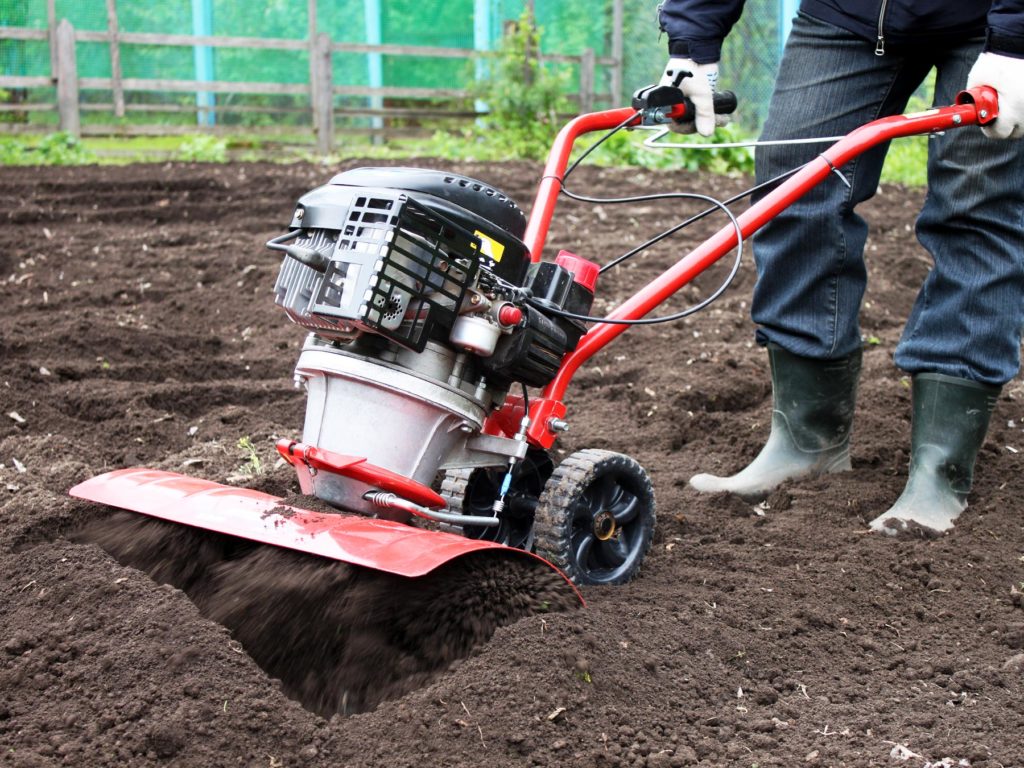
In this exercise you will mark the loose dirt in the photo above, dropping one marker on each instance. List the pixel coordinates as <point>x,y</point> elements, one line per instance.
<point>139,329</point>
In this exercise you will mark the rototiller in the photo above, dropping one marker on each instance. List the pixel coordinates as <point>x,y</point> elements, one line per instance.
<point>430,312</point>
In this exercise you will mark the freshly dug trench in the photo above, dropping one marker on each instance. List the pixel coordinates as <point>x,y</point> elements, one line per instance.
<point>341,638</point>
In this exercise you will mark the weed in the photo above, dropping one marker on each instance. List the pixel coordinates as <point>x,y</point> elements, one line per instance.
<point>202,148</point>
<point>253,466</point>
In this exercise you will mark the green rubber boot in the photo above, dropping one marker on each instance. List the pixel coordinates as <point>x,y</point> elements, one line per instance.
<point>951,418</point>
<point>812,414</point>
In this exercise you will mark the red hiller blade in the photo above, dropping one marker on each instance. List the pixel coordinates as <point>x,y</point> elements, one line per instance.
<point>384,545</point>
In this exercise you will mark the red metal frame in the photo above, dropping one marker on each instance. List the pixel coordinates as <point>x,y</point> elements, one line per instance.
<point>305,458</point>
<point>977,106</point>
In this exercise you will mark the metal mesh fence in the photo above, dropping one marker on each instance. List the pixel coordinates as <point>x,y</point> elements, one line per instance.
<point>568,28</point>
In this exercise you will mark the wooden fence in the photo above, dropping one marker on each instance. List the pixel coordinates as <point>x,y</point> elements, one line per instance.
<point>316,97</point>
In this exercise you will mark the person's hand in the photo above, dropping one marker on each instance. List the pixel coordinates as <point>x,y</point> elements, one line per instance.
<point>1006,75</point>
<point>696,81</point>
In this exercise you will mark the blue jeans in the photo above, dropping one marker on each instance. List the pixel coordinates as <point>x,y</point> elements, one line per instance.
<point>968,316</point>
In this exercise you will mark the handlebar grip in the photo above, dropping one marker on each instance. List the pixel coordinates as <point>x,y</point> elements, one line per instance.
<point>724,103</point>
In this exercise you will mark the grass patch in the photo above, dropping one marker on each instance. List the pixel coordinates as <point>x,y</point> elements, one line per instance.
<point>907,162</point>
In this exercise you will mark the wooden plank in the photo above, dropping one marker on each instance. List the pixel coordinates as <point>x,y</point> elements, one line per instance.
<point>276,135</point>
<point>401,93</point>
<point>186,130</point>
<point>285,44</point>
<point>67,80</point>
<point>188,41</point>
<point>42,107</point>
<point>115,58</point>
<point>192,109</point>
<point>23,33</point>
<point>278,43</point>
<point>24,128</point>
<point>18,81</point>
<point>411,113</point>
<point>189,86</point>
<point>390,49</point>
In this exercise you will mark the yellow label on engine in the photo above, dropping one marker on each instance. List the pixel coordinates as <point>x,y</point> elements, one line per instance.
<point>489,246</point>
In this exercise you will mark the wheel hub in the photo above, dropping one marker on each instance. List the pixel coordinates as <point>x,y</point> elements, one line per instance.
<point>604,525</point>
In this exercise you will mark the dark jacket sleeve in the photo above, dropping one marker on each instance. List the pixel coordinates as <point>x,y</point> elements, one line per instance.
<point>696,28</point>
<point>1006,28</point>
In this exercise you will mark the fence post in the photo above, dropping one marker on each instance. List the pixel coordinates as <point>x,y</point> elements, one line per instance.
<point>67,80</point>
<point>51,26</point>
<point>311,38</point>
<point>587,80</point>
<point>322,92</point>
<point>617,74</point>
<point>113,30</point>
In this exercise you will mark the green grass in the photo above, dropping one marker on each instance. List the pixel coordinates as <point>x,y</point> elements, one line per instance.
<point>905,163</point>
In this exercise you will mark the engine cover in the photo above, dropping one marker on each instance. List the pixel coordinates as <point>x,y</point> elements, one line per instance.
<point>397,260</point>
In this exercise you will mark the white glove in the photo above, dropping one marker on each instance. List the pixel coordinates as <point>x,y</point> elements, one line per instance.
<point>1006,75</point>
<point>697,81</point>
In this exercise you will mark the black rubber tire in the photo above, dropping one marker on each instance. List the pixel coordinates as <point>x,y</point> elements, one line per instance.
<point>473,491</point>
<point>586,491</point>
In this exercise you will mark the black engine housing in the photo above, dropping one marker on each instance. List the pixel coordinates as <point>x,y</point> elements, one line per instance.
<point>488,212</point>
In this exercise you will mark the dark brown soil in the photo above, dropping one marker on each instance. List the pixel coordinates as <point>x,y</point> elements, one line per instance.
<point>340,638</point>
<point>138,328</point>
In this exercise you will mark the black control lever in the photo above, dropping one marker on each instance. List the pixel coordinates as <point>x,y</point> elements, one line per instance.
<point>656,102</point>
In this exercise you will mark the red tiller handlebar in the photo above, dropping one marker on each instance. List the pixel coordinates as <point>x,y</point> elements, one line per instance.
<point>977,106</point>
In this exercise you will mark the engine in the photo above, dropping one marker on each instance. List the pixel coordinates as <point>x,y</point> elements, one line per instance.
<point>423,309</point>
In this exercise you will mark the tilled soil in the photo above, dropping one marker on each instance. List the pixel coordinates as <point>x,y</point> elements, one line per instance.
<point>139,329</point>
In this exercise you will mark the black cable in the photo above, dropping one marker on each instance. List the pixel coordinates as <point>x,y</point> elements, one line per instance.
<point>676,315</point>
<point>595,145</point>
<point>526,399</point>
<point>275,244</point>
<point>715,205</point>
<point>672,230</point>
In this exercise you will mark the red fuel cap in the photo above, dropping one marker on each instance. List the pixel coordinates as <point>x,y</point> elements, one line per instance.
<point>583,272</point>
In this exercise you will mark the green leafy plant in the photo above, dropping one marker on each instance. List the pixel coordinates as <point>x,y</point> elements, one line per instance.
<point>523,96</point>
<point>62,149</point>
<point>252,466</point>
<point>203,148</point>
<point>11,150</point>
<point>625,148</point>
<point>52,149</point>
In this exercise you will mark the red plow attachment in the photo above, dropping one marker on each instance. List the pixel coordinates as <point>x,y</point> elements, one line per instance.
<point>383,545</point>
